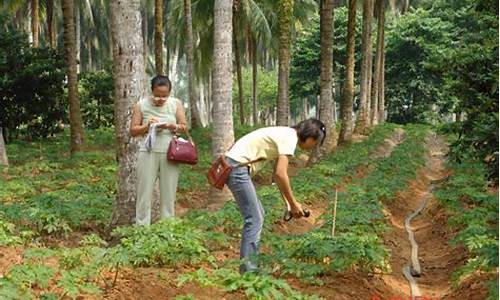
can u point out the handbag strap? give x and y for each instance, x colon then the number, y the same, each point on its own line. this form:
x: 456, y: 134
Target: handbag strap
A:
x: 190, y: 138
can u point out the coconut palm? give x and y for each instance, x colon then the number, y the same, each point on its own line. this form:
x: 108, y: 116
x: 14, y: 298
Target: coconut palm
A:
x: 159, y: 37
x: 128, y: 62
x: 195, y: 116
x: 346, y: 109
x: 362, y: 122
x: 222, y: 134
x: 75, y: 116
x: 285, y: 15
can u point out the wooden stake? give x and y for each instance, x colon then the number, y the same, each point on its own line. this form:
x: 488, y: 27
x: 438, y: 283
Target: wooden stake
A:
x: 334, y: 213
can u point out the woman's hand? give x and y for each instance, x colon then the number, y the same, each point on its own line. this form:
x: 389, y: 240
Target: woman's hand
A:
x: 296, y: 210
x: 171, y: 127
x: 152, y: 120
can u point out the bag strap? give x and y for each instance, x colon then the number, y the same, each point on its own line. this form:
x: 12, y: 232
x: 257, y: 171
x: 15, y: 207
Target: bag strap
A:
x: 190, y: 138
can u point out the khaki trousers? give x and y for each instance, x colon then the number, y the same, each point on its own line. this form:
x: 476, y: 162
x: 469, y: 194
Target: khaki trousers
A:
x: 150, y: 166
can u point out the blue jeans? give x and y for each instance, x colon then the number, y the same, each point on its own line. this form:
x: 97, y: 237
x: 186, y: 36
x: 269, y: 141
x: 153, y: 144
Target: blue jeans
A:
x: 241, y: 185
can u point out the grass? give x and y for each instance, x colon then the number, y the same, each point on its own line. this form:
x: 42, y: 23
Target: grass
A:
x: 474, y: 213
x: 48, y: 192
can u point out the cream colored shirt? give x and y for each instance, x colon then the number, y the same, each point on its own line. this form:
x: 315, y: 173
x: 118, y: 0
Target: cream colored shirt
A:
x: 264, y: 143
x: 165, y: 113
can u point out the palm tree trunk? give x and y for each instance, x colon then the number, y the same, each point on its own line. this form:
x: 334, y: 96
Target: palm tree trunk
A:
x: 159, y: 37
x: 144, y: 27
x: 378, y: 61
x: 35, y: 22
x: 75, y: 117
x: 326, y: 75
x: 51, y: 30
x: 78, y: 35
x: 348, y: 94
x: 362, y: 120
x: 285, y: 14
x: 89, y: 53
x: 253, y: 55
x: 406, y: 6
x: 381, y: 88
x: 237, y: 60
x: 128, y: 62
x: 3, y: 152
x: 195, y: 115
x: 222, y: 133
x: 326, y: 80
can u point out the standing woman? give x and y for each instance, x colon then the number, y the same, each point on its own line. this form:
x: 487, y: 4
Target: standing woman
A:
x: 247, y: 156
x: 152, y: 161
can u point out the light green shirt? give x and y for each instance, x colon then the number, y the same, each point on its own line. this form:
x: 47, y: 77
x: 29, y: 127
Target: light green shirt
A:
x: 164, y: 113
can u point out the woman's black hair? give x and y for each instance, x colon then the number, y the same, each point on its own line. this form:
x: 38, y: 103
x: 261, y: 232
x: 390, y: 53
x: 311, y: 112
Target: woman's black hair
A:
x: 311, y: 128
x: 161, y: 80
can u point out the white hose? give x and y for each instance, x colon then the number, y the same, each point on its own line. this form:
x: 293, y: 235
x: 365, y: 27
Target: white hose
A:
x: 414, y: 270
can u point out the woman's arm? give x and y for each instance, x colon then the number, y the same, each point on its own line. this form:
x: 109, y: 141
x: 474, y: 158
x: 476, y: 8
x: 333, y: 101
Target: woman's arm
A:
x: 136, y: 128
x: 180, y: 116
x: 281, y: 176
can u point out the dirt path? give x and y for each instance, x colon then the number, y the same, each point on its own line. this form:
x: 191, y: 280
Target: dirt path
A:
x: 437, y: 259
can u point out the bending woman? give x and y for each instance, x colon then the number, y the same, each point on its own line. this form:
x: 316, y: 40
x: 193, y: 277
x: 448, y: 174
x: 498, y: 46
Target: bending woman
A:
x: 247, y: 156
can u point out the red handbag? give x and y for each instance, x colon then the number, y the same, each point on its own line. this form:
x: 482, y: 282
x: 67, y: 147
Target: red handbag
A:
x: 181, y: 151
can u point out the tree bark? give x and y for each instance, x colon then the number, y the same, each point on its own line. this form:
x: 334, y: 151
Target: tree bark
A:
x: 381, y: 88
x: 3, y: 152
x: 159, y: 37
x: 348, y: 93
x: 75, y: 117
x: 129, y: 86
x: 326, y: 80
x: 362, y: 120
x: 78, y: 38
x: 237, y: 60
x: 35, y: 22
x: 193, y: 108
x: 89, y: 54
x: 378, y: 61
x: 285, y: 15
x: 222, y: 134
x: 253, y: 50
x: 144, y: 27
x: 51, y: 30
x: 406, y: 6
x: 326, y: 75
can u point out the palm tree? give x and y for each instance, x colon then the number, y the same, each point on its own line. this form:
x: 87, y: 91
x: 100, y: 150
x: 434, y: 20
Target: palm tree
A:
x: 222, y: 134
x: 285, y: 15
x: 348, y: 93
x: 366, y: 42
x: 249, y: 22
x: 129, y: 82
x: 195, y: 115
x: 159, y: 37
x: 326, y: 79
x: 35, y: 22
x: 237, y: 60
x: 253, y: 58
x: 326, y: 75
x: 75, y: 116
x: 51, y: 30
x: 380, y: 10
x: 381, y: 88
x: 3, y: 152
